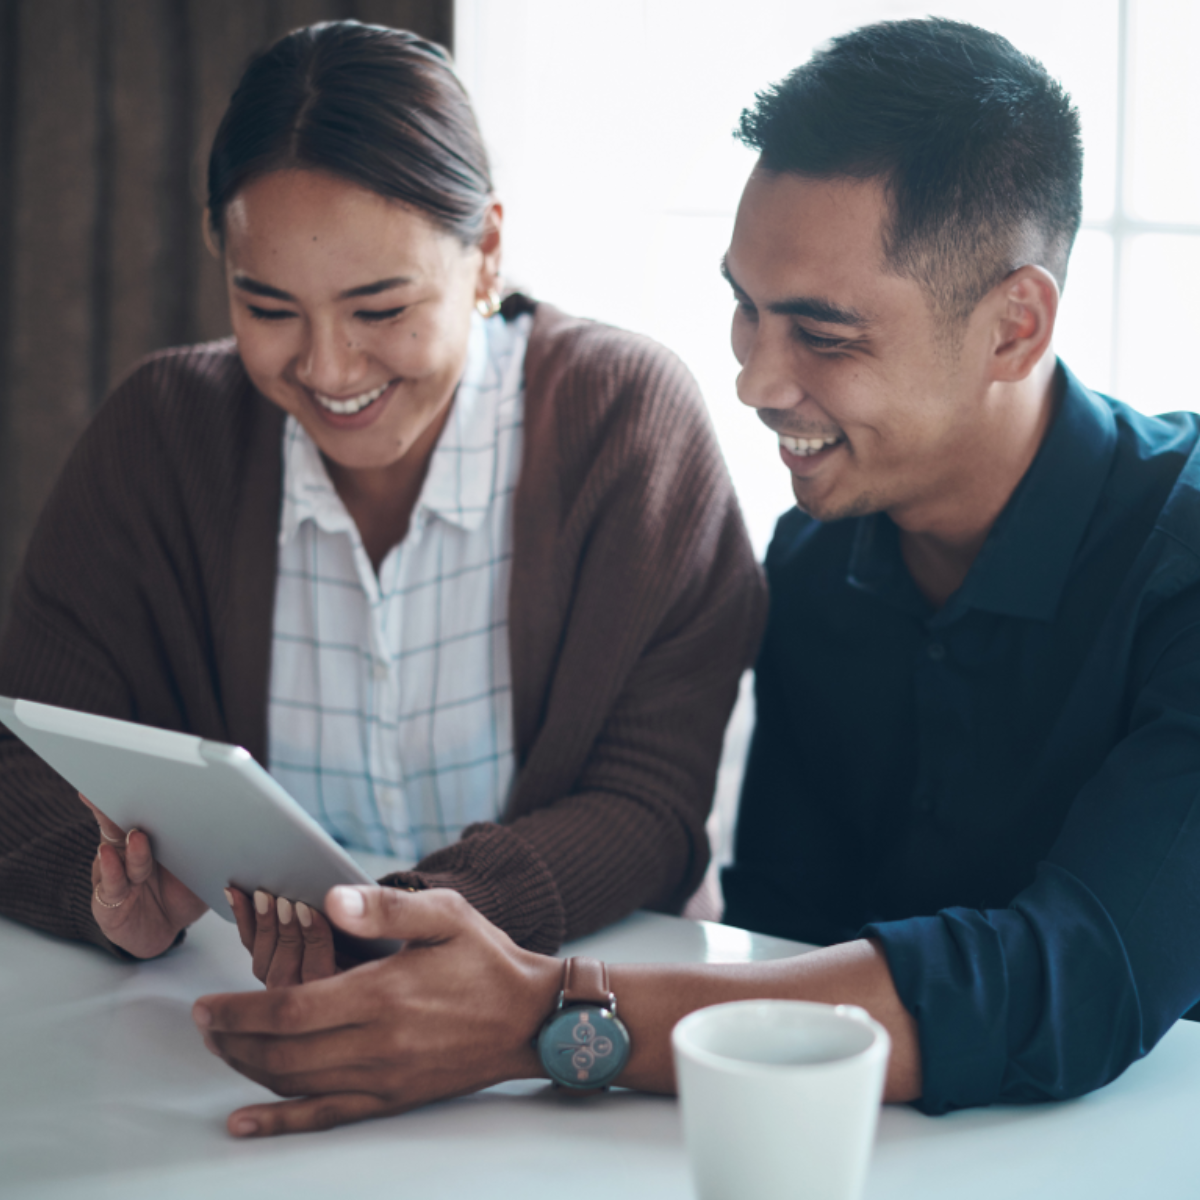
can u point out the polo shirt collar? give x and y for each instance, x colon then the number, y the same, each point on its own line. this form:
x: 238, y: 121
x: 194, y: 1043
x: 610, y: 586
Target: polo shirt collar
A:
x: 1025, y: 561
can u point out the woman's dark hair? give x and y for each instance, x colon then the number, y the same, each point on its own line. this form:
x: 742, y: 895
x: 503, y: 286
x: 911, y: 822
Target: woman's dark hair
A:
x: 977, y: 146
x: 379, y: 107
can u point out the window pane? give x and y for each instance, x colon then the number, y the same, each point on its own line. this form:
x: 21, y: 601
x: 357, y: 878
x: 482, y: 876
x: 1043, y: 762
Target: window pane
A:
x: 1159, y: 316
x: 1163, y: 172
x: 1083, y: 337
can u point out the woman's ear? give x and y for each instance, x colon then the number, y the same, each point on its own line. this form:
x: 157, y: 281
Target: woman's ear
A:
x: 489, y: 248
x: 209, y: 236
x: 1026, y: 309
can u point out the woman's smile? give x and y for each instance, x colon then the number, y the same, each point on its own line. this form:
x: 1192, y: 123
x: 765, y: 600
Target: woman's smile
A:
x: 352, y: 404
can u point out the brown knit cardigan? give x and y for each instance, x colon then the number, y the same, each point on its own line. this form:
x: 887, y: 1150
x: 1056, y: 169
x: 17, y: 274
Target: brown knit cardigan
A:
x: 148, y: 593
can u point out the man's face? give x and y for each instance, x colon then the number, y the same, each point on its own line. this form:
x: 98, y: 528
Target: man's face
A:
x: 876, y: 407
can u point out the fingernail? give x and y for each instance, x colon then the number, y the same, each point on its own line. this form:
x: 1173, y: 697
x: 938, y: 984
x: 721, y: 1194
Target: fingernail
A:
x: 201, y: 1015
x: 128, y: 836
x: 262, y: 903
x: 243, y: 1126
x: 284, y: 909
x: 228, y: 896
x: 352, y: 901
x: 304, y: 913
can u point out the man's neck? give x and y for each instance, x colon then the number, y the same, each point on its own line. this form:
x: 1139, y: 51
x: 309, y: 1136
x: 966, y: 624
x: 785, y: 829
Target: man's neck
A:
x: 940, y: 543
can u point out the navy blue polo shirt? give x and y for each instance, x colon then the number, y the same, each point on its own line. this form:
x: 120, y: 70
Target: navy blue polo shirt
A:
x: 1003, y: 791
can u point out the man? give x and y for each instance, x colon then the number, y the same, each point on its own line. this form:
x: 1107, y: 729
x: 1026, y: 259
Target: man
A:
x: 978, y: 739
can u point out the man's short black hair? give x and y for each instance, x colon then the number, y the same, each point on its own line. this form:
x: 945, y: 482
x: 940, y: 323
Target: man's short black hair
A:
x: 977, y: 146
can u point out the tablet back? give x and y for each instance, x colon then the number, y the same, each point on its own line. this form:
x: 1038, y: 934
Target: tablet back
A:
x: 214, y: 816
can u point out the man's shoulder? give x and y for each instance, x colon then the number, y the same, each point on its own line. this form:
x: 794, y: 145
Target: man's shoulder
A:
x: 1158, y: 458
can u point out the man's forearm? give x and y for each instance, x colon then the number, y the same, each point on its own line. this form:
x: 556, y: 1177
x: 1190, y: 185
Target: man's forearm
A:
x: 652, y: 998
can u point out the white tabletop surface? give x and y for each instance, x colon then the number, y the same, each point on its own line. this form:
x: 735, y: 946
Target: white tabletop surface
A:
x: 107, y: 1091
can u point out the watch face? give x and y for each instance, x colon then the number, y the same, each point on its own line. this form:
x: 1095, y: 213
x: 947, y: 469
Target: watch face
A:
x: 583, y: 1046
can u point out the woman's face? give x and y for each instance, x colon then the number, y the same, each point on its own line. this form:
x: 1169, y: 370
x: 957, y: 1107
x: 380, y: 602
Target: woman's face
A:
x: 352, y: 311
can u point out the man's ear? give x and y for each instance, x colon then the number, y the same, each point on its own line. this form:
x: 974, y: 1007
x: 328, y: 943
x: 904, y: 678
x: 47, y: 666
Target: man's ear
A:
x: 1026, y: 307
x: 489, y: 247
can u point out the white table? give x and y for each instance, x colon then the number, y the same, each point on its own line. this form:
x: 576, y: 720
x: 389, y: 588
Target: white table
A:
x: 106, y: 1091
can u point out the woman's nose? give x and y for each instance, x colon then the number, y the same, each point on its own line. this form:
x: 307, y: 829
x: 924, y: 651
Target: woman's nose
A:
x: 329, y: 362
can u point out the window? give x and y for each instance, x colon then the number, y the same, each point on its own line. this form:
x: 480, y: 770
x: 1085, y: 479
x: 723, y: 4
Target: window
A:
x: 610, y: 131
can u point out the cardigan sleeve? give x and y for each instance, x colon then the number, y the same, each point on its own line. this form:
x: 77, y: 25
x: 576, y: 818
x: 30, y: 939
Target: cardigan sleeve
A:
x: 126, y: 603
x: 636, y: 605
x: 76, y: 570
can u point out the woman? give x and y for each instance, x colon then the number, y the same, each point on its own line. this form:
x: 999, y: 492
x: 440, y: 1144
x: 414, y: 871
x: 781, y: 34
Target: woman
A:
x: 468, y: 577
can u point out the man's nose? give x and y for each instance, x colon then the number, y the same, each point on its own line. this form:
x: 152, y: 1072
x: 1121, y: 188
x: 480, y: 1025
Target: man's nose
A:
x: 769, y: 377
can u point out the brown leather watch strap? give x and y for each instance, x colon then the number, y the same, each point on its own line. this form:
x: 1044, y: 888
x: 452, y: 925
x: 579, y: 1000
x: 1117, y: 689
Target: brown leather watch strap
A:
x: 585, y: 981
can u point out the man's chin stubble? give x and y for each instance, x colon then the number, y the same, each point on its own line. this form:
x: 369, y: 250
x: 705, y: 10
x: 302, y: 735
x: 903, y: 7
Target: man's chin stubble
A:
x: 860, y: 506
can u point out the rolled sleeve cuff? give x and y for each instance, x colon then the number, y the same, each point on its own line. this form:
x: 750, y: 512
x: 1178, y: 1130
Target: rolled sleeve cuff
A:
x: 1027, y: 1003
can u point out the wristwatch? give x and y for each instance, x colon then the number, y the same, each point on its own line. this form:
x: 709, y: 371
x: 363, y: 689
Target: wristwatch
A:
x: 583, y: 1045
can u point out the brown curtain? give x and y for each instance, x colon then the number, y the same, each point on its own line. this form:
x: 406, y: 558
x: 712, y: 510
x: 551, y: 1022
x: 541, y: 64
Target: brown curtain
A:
x: 107, y: 108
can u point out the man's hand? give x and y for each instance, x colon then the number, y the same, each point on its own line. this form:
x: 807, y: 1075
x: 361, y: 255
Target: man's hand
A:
x: 138, y: 904
x: 454, y: 1011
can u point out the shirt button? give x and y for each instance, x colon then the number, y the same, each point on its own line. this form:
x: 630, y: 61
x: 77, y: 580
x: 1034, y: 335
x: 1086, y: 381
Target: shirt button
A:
x: 936, y: 651
x: 381, y: 670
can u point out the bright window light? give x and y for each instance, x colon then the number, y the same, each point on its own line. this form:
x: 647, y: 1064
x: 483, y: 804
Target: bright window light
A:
x: 610, y: 128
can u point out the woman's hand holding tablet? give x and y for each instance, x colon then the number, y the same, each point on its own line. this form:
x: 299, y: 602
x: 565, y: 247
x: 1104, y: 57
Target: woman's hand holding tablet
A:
x: 288, y: 943
x: 138, y: 904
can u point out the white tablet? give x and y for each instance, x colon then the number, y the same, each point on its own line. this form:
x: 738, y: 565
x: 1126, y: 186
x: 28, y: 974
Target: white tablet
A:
x: 213, y: 815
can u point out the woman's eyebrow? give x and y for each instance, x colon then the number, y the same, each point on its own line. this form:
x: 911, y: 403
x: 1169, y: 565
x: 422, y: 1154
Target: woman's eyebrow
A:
x: 246, y: 284
x: 373, y: 289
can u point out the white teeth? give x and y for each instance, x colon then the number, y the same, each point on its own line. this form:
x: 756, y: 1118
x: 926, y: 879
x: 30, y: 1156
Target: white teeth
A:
x: 346, y: 408
x: 807, y: 446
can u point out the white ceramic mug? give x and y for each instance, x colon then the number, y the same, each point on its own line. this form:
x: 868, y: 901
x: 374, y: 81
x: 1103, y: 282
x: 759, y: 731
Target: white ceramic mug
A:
x: 779, y: 1098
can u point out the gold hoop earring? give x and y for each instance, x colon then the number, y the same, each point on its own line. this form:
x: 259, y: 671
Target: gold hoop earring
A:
x: 489, y: 305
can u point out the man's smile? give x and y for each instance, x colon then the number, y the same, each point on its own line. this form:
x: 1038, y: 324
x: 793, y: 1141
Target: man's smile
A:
x: 807, y: 446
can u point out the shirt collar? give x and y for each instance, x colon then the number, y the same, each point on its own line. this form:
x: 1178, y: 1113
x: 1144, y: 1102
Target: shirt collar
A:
x: 459, y: 484
x: 1025, y: 561
x: 308, y: 492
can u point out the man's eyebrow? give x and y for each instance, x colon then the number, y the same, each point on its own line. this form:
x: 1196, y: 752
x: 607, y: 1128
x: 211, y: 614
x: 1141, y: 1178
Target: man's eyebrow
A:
x: 817, y: 310
x: 246, y: 284
x: 804, y: 306
x: 729, y: 279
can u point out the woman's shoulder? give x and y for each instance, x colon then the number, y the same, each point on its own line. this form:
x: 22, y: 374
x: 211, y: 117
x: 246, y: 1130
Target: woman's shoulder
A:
x: 180, y: 376
x: 563, y: 341
x: 595, y: 372
x: 185, y: 411
x: 190, y: 395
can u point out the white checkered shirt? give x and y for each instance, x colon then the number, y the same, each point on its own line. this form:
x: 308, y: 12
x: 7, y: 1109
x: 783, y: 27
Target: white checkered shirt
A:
x: 391, y: 700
